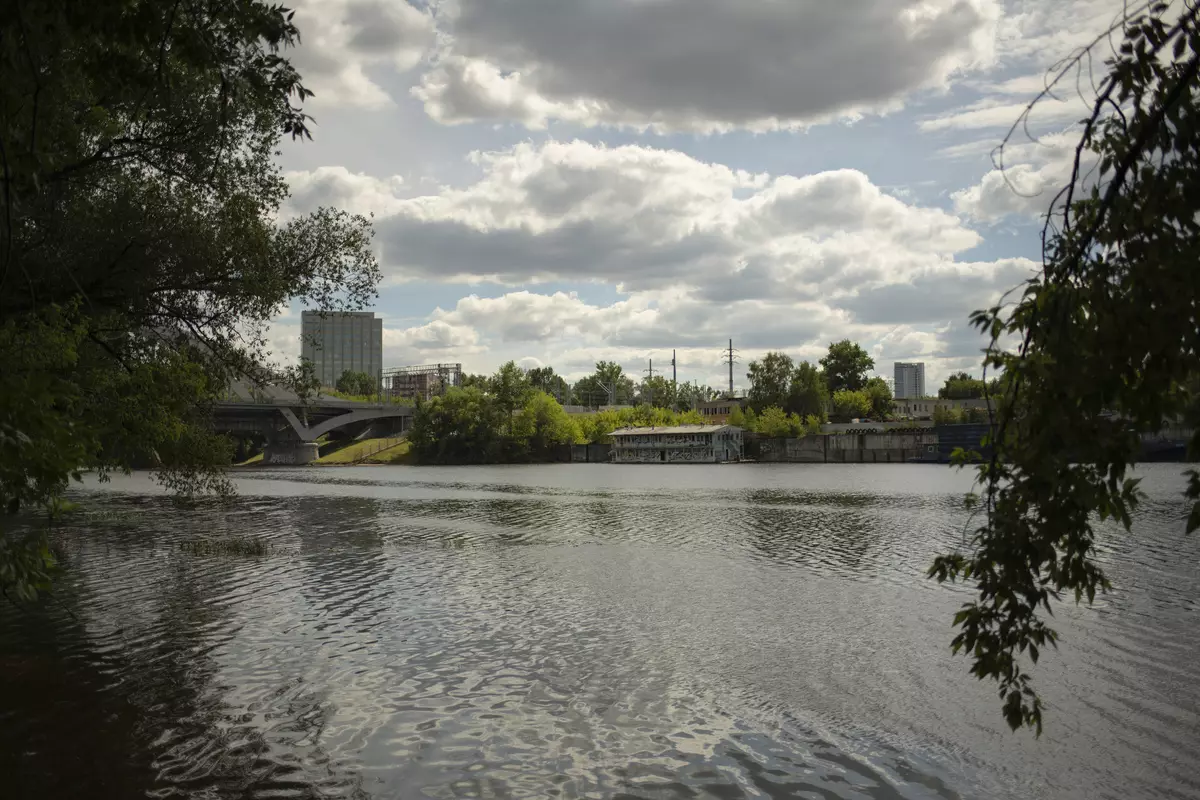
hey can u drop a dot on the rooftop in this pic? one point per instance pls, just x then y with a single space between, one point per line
672 429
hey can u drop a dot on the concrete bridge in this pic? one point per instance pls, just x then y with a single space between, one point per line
291 428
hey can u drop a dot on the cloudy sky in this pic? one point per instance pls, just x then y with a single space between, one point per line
562 181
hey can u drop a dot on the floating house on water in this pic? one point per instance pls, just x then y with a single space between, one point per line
677 444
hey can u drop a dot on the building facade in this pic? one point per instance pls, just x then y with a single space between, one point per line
337 341
423 382
909 380
716 412
924 407
678 444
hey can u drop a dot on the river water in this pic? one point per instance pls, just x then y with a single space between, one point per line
581 630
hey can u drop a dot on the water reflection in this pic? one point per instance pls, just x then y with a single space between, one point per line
504 633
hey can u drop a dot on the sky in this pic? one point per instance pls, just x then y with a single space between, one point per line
557 182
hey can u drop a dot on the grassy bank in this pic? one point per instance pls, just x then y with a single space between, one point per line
386 450
389 450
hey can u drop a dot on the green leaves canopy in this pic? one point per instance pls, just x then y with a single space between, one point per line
846 366
1108 336
140 253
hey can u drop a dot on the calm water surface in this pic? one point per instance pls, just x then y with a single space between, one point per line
579 631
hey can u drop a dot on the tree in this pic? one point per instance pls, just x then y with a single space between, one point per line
356 383
543 424
846 366
608 385
657 391
1109 324
773 422
460 426
544 379
880 395
961 386
141 249
770 381
690 395
808 394
510 387
737 417
475 381
848 405
946 415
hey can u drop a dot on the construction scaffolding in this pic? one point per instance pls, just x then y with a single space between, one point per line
420 383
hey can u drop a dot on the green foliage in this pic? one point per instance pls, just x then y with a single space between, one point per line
795 388
467 426
141 257
544 379
1110 324
657 391
543 424
880 395
462 426
848 405
946 415
388 399
737 417
770 381
690 395
808 394
961 386
608 385
356 383
595 428
846 366
509 387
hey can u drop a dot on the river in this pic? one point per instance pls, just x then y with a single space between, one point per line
759 631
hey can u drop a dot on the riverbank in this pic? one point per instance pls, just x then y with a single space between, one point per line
381 451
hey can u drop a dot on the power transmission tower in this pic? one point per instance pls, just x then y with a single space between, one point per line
674 374
730 357
650 377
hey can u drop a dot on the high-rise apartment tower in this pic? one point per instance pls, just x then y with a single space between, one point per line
909 380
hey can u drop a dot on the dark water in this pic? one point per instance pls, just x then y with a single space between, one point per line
580 631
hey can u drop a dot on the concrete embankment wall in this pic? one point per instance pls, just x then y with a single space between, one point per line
590 453
850 448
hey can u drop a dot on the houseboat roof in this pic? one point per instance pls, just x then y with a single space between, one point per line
672 429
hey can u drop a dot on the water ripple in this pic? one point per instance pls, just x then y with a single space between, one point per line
589 631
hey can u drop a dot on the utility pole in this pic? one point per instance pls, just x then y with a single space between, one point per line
650 386
674 373
729 359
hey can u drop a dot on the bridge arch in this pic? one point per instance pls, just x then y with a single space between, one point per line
311 434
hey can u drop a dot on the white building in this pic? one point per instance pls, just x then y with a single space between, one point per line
337 341
909 380
678 444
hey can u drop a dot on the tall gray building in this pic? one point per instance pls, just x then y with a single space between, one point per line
337 341
909 380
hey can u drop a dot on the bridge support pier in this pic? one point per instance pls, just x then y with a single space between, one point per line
292 453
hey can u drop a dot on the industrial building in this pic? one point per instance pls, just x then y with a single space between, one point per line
909 380
423 382
339 341
677 444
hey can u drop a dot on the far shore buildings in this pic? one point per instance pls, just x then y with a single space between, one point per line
340 341
677 444
909 380
716 412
